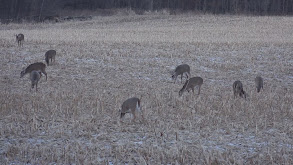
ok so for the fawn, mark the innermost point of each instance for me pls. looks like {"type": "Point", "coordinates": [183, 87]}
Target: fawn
{"type": "Point", "coordinates": [50, 54]}
{"type": "Point", "coordinates": [131, 105]}
{"type": "Point", "coordinates": [180, 70]}
{"type": "Point", "coordinates": [190, 84]}
{"type": "Point", "coordinates": [35, 66]}
{"type": "Point", "coordinates": [19, 39]}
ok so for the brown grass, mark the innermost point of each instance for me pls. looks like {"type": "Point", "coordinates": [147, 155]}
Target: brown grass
{"type": "Point", "coordinates": [73, 118]}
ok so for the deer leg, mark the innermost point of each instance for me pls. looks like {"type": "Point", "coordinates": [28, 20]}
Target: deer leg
{"type": "Point", "coordinates": [134, 117]}
{"type": "Point", "coordinates": [142, 116]}
{"type": "Point", "coordinates": [175, 79]}
{"type": "Point", "coordinates": [43, 71]}
{"type": "Point", "coordinates": [186, 75]}
{"type": "Point", "coordinates": [198, 89]}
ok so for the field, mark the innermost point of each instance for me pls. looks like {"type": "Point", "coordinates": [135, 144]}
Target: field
{"type": "Point", "coordinates": [74, 118]}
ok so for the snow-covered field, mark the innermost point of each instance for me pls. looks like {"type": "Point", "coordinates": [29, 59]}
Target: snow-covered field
{"type": "Point", "coordinates": [74, 118]}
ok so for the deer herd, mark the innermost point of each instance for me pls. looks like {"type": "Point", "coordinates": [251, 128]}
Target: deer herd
{"type": "Point", "coordinates": [133, 104]}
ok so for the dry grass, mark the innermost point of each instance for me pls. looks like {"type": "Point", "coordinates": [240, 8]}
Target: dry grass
{"type": "Point", "coordinates": [73, 119]}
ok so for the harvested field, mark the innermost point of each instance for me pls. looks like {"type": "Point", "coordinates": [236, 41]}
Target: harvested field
{"type": "Point", "coordinates": [74, 118]}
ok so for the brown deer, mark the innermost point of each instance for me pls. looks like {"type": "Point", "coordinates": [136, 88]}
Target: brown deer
{"type": "Point", "coordinates": [238, 89]}
{"type": "Point", "coordinates": [19, 39]}
{"type": "Point", "coordinates": [39, 66]}
{"type": "Point", "coordinates": [35, 77]}
{"type": "Point", "coordinates": [190, 84]}
{"type": "Point", "coordinates": [180, 70]}
{"type": "Point", "coordinates": [131, 105]}
{"type": "Point", "coordinates": [258, 83]}
{"type": "Point", "coordinates": [50, 54]}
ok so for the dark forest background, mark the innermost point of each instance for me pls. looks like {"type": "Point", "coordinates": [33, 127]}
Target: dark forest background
{"type": "Point", "coordinates": [14, 10]}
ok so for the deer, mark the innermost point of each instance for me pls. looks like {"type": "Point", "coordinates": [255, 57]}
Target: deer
{"type": "Point", "coordinates": [50, 54]}
{"type": "Point", "coordinates": [39, 66]}
{"type": "Point", "coordinates": [258, 83]}
{"type": "Point", "coordinates": [35, 77]}
{"type": "Point", "coordinates": [180, 70]}
{"type": "Point", "coordinates": [130, 105]}
{"type": "Point", "coordinates": [238, 89]}
{"type": "Point", "coordinates": [19, 39]}
{"type": "Point", "coordinates": [191, 84]}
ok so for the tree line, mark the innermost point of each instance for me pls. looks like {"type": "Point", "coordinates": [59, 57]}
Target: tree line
{"type": "Point", "coordinates": [256, 7]}
{"type": "Point", "coordinates": [16, 9]}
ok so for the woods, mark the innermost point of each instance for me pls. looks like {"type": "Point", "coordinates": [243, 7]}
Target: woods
{"type": "Point", "coordinates": [35, 9]}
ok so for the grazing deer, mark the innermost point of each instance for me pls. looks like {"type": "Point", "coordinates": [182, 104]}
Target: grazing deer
{"type": "Point", "coordinates": [35, 77]}
{"type": "Point", "coordinates": [39, 66]}
{"type": "Point", "coordinates": [131, 105]}
{"type": "Point", "coordinates": [238, 89]}
{"type": "Point", "coordinates": [19, 39]}
{"type": "Point", "coordinates": [190, 84]}
{"type": "Point", "coordinates": [50, 54]}
{"type": "Point", "coordinates": [258, 83]}
{"type": "Point", "coordinates": [180, 70]}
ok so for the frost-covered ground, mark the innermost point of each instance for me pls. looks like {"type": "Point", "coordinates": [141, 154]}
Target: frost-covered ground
{"type": "Point", "coordinates": [74, 119]}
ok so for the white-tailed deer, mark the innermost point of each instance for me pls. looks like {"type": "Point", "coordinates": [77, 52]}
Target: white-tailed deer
{"type": "Point", "coordinates": [50, 54]}
{"type": "Point", "coordinates": [190, 84]}
{"type": "Point", "coordinates": [38, 66]}
{"type": "Point", "coordinates": [131, 105]}
{"type": "Point", "coordinates": [35, 77]}
{"type": "Point", "coordinates": [19, 39]}
{"type": "Point", "coordinates": [238, 89]}
{"type": "Point", "coordinates": [180, 70]}
{"type": "Point", "coordinates": [258, 83]}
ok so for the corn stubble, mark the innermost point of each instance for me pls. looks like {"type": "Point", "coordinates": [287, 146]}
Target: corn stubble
{"type": "Point", "coordinates": [74, 117]}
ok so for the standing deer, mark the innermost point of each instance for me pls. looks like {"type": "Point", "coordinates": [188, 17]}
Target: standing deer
{"type": "Point", "coordinates": [180, 70]}
{"type": "Point", "coordinates": [131, 105]}
{"type": "Point", "coordinates": [35, 77]}
{"type": "Point", "coordinates": [19, 39]}
{"type": "Point", "coordinates": [238, 89]}
{"type": "Point", "coordinates": [258, 83]}
{"type": "Point", "coordinates": [39, 66]}
{"type": "Point", "coordinates": [50, 54]}
{"type": "Point", "coordinates": [190, 84]}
